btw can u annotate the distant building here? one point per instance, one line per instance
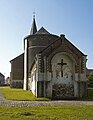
(51, 66)
(17, 72)
(2, 79)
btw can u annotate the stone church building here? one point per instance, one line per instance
(51, 66)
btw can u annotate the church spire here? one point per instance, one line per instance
(33, 28)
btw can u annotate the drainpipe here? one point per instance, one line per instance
(25, 64)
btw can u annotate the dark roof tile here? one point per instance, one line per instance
(42, 30)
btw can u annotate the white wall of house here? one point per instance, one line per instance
(33, 84)
(32, 80)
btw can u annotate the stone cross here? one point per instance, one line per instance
(62, 64)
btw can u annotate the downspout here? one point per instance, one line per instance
(25, 64)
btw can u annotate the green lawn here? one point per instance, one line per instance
(47, 113)
(41, 113)
(19, 94)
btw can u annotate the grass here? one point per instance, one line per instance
(47, 113)
(19, 94)
(42, 113)
(23, 95)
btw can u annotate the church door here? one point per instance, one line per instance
(62, 76)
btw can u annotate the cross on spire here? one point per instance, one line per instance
(62, 64)
(33, 27)
(34, 15)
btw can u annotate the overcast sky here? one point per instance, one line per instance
(74, 18)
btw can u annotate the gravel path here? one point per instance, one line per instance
(4, 102)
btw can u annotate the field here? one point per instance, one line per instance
(47, 113)
(19, 94)
(42, 113)
(23, 95)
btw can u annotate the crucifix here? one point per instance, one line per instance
(62, 64)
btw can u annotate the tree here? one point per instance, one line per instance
(90, 80)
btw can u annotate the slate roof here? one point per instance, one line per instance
(58, 42)
(42, 30)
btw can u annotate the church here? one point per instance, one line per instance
(51, 66)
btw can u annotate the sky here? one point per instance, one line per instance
(74, 18)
